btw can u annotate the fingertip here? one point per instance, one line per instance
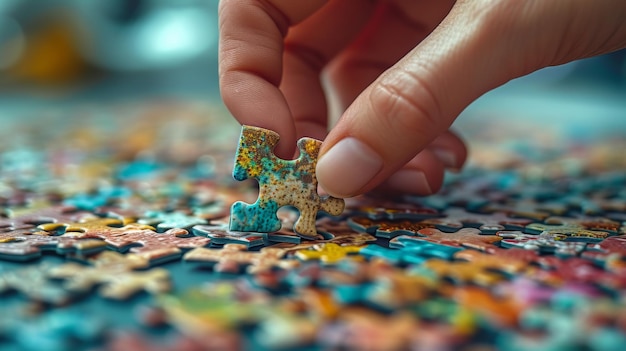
(349, 166)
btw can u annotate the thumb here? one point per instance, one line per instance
(409, 105)
(478, 46)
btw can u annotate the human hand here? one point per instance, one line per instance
(404, 69)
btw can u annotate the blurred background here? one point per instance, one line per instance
(110, 60)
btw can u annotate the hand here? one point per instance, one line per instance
(404, 69)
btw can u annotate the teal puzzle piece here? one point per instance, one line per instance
(281, 183)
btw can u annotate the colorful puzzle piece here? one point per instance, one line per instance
(393, 210)
(328, 253)
(39, 212)
(288, 217)
(591, 223)
(28, 244)
(469, 237)
(572, 231)
(387, 228)
(463, 273)
(542, 243)
(232, 257)
(419, 246)
(34, 283)
(281, 183)
(169, 220)
(614, 246)
(140, 239)
(55, 330)
(212, 308)
(457, 218)
(220, 235)
(116, 274)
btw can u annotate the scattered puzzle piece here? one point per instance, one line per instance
(468, 237)
(232, 257)
(140, 239)
(210, 309)
(419, 246)
(394, 211)
(570, 230)
(463, 273)
(328, 253)
(115, 274)
(457, 218)
(220, 235)
(169, 220)
(55, 330)
(489, 262)
(542, 243)
(387, 228)
(39, 212)
(281, 183)
(614, 246)
(591, 223)
(28, 244)
(34, 283)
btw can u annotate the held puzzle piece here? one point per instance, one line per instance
(281, 183)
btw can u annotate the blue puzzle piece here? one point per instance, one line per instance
(165, 221)
(393, 255)
(417, 245)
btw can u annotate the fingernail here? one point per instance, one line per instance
(410, 181)
(446, 157)
(347, 167)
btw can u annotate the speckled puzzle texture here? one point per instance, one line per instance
(281, 183)
(119, 239)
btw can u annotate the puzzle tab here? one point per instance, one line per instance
(281, 183)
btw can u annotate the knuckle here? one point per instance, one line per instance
(407, 104)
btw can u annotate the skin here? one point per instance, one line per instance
(400, 70)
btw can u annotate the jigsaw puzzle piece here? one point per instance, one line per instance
(489, 262)
(29, 244)
(39, 212)
(339, 232)
(170, 220)
(387, 228)
(421, 247)
(140, 239)
(327, 253)
(571, 231)
(232, 257)
(104, 196)
(545, 243)
(281, 183)
(212, 308)
(220, 235)
(54, 330)
(394, 211)
(115, 274)
(468, 237)
(612, 247)
(561, 272)
(34, 283)
(288, 217)
(462, 273)
(457, 218)
(499, 311)
(590, 223)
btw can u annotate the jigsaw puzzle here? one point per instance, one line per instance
(140, 239)
(281, 183)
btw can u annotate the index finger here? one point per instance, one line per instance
(250, 61)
